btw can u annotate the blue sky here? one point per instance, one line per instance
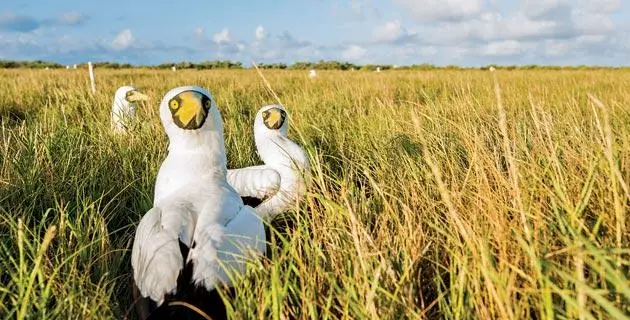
(462, 32)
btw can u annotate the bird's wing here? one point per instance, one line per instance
(290, 160)
(220, 252)
(156, 258)
(257, 181)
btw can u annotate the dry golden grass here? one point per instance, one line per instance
(441, 194)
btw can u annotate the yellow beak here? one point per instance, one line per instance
(134, 96)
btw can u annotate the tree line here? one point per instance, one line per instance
(302, 65)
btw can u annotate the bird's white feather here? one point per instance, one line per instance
(156, 258)
(222, 251)
(255, 181)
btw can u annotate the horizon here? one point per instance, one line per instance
(466, 33)
(311, 65)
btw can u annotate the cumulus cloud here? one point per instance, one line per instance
(200, 33)
(288, 41)
(260, 33)
(72, 19)
(441, 10)
(505, 48)
(123, 40)
(388, 32)
(353, 52)
(222, 36)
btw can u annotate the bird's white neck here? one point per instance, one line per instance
(200, 149)
(276, 149)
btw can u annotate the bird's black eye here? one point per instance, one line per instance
(207, 103)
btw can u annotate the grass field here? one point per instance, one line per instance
(433, 194)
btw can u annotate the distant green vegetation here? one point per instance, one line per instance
(303, 65)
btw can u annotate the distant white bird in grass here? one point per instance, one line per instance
(312, 73)
(173, 68)
(74, 66)
(281, 180)
(492, 69)
(67, 67)
(124, 107)
(378, 69)
(198, 233)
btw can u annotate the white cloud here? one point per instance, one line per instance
(72, 18)
(200, 33)
(123, 40)
(390, 31)
(222, 36)
(260, 33)
(288, 41)
(428, 51)
(353, 52)
(505, 48)
(441, 10)
(555, 48)
(537, 8)
(591, 23)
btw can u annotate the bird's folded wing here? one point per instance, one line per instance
(257, 181)
(156, 258)
(221, 252)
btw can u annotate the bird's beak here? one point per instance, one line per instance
(274, 118)
(134, 96)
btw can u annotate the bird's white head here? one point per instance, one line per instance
(271, 119)
(192, 121)
(127, 97)
(125, 105)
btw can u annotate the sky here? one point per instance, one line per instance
(397, 32)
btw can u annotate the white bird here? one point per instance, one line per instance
(173, 68)
(492, 69)
(281, 180)
(198, 233)
(312, 73)
(378, 69)
(124, 107)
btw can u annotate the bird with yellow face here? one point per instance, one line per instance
(189, 109)
(199, 234)
(124, 107)
(277, 185)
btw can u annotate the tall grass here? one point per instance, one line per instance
(438, 194)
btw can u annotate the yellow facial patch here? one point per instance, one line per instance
(274, 118)
(189, 109)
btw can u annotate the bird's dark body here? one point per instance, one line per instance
(251, 201)
(209, 302)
